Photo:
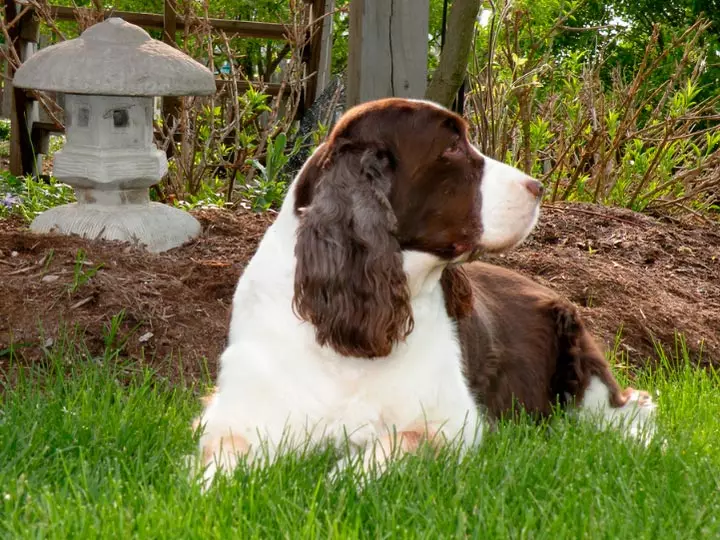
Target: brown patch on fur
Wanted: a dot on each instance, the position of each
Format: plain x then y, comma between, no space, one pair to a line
410,441
621,399
525,346
205,400
227,444
457,290
306,180
404,442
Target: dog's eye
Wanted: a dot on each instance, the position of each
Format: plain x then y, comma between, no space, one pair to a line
454,146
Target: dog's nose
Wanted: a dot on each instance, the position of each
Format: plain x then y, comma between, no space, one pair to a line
534,187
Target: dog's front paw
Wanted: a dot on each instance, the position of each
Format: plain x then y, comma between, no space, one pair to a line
371,461
221,455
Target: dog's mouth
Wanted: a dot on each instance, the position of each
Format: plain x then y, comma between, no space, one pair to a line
467,252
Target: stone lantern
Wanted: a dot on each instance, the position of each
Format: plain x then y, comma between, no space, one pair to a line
109,76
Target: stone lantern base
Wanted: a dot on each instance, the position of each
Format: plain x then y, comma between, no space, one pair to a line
126,215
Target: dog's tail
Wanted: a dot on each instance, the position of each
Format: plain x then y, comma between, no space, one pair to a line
579,358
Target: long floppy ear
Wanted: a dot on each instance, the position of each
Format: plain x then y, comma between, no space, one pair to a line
457,291
349,279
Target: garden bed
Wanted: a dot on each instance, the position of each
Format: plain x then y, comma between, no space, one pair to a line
628,272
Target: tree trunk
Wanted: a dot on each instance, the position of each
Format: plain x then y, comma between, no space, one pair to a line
450,73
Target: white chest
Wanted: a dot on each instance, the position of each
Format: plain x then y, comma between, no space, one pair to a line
277,382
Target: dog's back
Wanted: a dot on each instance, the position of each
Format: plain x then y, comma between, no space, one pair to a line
525,345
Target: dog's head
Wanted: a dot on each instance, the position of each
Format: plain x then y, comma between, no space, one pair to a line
395,175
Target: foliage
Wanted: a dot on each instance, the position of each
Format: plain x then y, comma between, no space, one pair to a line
607,101
619,138
267,188
341,35
4,129
83,271
27,197
210,194
95,446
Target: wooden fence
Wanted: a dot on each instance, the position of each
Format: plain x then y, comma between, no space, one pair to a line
30,130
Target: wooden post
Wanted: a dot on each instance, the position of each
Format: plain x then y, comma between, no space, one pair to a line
6,105
325,52
311,86
23,39
171,105
388,49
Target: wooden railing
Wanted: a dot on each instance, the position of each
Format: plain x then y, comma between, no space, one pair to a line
155,21
30,138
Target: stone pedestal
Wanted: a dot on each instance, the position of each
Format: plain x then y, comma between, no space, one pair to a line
126,215
111,161
109,76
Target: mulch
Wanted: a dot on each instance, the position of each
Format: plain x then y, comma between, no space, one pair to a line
649,278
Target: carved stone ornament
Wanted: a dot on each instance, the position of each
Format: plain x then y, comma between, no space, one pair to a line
109,76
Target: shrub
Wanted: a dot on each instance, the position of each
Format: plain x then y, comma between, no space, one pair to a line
596,134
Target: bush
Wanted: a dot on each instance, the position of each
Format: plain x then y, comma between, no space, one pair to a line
592,133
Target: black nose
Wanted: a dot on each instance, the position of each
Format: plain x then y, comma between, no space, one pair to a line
534,187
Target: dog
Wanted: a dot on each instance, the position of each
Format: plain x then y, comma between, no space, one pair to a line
362,319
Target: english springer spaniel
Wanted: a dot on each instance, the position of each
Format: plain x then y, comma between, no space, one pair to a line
360,319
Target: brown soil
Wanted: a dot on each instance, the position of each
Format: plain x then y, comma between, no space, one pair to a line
643,279
625,270
176,304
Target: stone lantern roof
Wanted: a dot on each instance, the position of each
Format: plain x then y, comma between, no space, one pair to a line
115,58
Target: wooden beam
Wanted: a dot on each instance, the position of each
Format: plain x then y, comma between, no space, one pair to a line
10,12
156,21
388,49
5,92
170,22
22,160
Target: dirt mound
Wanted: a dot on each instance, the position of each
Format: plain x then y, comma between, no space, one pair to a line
628,272
175,303
625,270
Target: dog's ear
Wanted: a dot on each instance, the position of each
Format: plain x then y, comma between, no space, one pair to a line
308,178
458,293
349,278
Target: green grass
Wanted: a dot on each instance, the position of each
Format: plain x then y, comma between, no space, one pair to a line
27,197
94,447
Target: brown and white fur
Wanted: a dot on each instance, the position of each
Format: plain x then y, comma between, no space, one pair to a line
360,320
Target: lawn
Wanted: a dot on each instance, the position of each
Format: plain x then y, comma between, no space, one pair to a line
94,448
